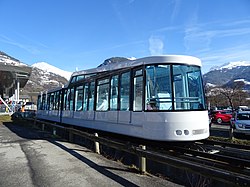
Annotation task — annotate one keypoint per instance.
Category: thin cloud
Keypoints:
(126, 44)
(163, 29)
(32, 41)
(194, 33)
(27, 48)
(200, 36)
(156, 45)
(131, 1)
(196, 39)
(237, 22)
(176, 10)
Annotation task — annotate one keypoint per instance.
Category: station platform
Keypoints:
(31, 158)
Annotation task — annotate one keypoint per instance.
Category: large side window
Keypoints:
(39, 102)
(59, 100)
(44, 102)
(102, 95)
(158, 88)
(91, 96)
(66, 99)
(56, 101)
(79, 98)
(71, 99)
(138, 90)
(85, 96)
(125, 91)
(48, 101)
(114, 93)
(188, 91)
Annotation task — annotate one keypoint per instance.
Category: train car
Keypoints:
(156, 98)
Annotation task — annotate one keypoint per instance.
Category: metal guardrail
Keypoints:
(198, 168)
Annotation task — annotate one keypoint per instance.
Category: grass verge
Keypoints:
(234, 140)
(5, 118)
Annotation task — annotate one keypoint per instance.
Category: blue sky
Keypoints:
(83, 33)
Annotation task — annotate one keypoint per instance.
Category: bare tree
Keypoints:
(232, 96)
(234, 93)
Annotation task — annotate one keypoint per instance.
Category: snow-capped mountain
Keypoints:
(228, 74)
(43, 76)
(42, 80)
(52, 69)
(231, 65)
(8, 60)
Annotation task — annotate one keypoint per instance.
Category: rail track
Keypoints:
(226, 162)
(230, 162)
(227, 159)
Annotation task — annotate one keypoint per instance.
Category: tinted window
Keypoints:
(125, 91)
(114, 93)
(158, 88)
(243, 116)
(102, 95)
(138, 91)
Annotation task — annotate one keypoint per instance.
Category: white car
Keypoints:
(241, 121)
(30, 106)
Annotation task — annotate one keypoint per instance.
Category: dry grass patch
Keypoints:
(5, 118)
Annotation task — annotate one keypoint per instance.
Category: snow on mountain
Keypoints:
(229, 74)
(52, 69)
(231, 65)
(242, 80)
(210, 85)
(8, 60)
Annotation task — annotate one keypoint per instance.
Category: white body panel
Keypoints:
(162, 126)
(52, 115)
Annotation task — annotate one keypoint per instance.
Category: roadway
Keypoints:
(222, 130)
(32, 158)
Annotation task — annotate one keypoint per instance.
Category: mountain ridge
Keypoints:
(231, 65)
(7, 59)
(41, 79)
(52, 69)
(228, 74)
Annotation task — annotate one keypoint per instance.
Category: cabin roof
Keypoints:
(168, 59)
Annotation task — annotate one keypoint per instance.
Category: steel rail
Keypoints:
(216, 157)
(225, 144)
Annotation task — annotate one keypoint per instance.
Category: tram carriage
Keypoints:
(157, 98)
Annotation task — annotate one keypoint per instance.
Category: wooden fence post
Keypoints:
(97, 146)
(142, 161)
(231, 132)
(34, 122)
(43, 126)
(71, 136)
(54, 131)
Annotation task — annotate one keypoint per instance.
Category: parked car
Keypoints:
(30, 106)
(221, 116)
(241, 121)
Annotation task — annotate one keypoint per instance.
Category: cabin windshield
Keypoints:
(173, 88)
(188, 88)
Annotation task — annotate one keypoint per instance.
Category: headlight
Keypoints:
(240, 125)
